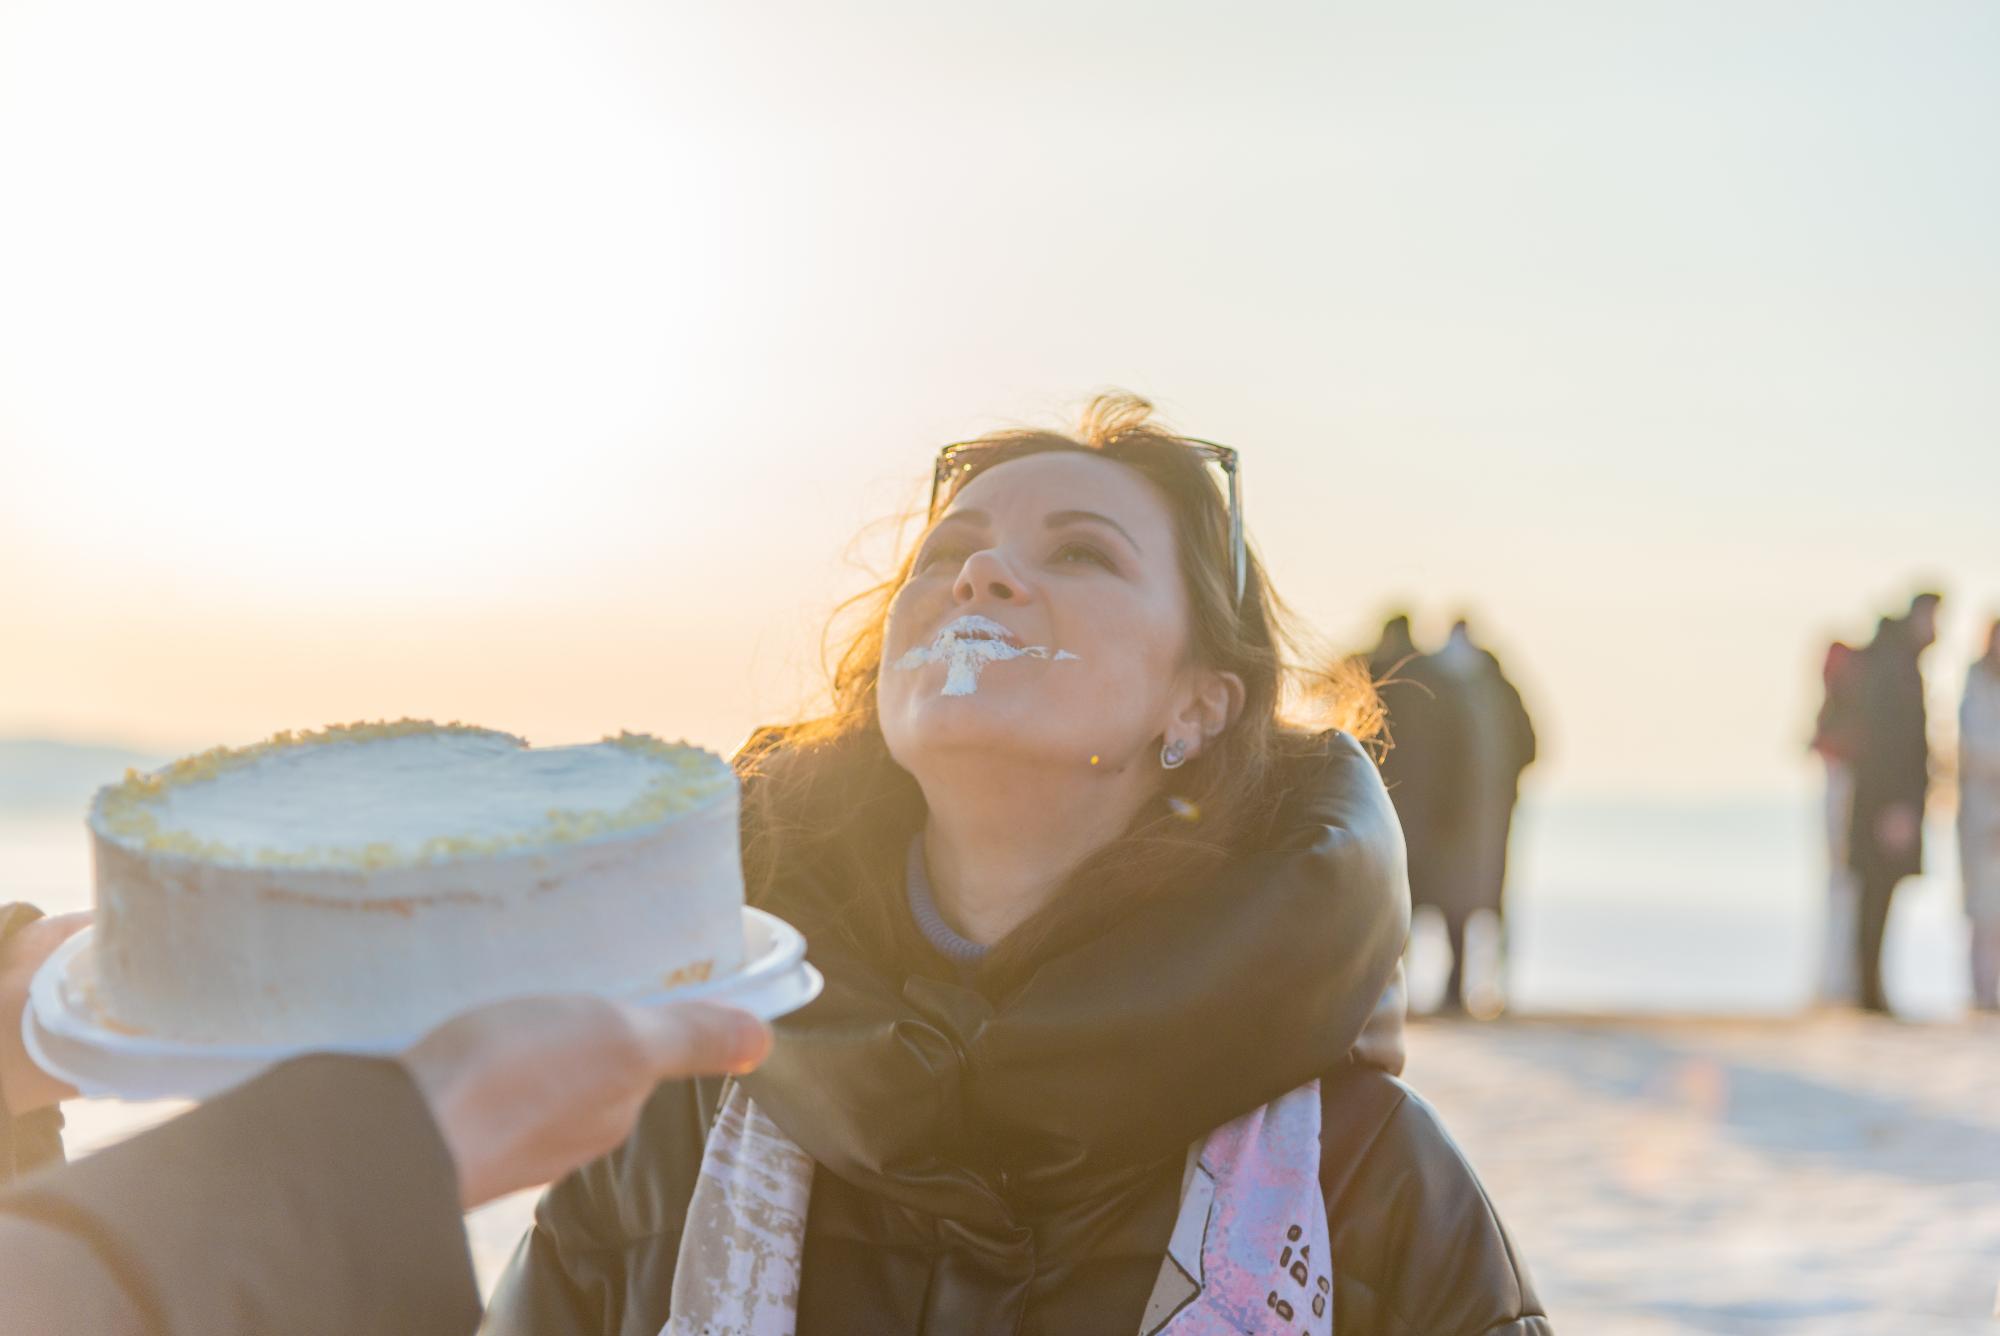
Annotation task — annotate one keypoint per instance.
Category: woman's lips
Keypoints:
(966, 646)
(974, 627)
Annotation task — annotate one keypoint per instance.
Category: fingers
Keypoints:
(526, 1089)
(698, 1039)
(65, 926)
(23, 1085)
(35, 942)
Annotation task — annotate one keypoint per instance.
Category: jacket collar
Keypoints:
(1200, 1006)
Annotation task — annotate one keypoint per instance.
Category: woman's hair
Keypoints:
(826, 790)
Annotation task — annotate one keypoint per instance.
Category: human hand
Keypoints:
(25, 1087)
(527, 1089)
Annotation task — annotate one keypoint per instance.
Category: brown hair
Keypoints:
(826, 791)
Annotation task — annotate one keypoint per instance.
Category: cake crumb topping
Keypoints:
(129, 812)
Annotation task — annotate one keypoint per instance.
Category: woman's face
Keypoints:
(1045, 620)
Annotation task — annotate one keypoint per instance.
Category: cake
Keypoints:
(366, 881)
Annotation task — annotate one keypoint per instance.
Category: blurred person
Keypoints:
(1979, 817)
(1496, 743)
(1416, 726)
(1101, 932)
(324, 1195)
(1891, 781)
(1423, 767)
(1836, 741)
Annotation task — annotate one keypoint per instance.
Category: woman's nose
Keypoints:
(987, 575)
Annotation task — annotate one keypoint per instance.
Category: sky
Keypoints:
(554, 365)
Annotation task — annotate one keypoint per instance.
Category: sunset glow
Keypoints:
(536, 364)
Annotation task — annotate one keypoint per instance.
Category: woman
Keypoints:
(1979, 817)
(1099, 932)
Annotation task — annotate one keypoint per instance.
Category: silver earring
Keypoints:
(1173, 755)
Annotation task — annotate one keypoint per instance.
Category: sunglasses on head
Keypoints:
(960, 463)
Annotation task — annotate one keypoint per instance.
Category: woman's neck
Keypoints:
(996, 857)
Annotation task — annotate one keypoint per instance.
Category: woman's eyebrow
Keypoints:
(1059, 518)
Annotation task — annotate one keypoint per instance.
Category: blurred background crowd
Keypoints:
(1460, 738)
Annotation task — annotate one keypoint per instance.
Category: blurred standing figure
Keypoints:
(1423, 767)
(1497, 743)
(1407, 681)
(1837, 739)
(1891, 775)
(1979, 817)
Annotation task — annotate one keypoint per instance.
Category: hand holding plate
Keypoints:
(25, 1087)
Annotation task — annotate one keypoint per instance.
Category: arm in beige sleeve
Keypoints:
(57, 1286)
(318, 1198)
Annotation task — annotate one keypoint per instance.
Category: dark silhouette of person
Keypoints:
(1891, 777)
(1496, 743)
(1424, 766)
(1837, 740)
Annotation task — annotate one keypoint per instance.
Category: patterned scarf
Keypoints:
(1249, 1251)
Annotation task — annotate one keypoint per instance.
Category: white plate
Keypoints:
(64, 998)
(68, 1039)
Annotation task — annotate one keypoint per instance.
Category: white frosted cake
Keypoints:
(370, 880)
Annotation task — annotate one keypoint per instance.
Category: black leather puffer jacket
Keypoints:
(1017, 1169)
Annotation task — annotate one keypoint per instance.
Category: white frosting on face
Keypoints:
(967, 646)
(404, 791)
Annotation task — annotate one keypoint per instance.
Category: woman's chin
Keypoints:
(1000, 723)
(975, 713)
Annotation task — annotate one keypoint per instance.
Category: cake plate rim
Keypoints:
(102, 1062)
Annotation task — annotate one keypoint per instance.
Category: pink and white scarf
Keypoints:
(1249, 1251)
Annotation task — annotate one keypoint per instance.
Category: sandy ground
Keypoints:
(1828, 1175)
(1833, 1175)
